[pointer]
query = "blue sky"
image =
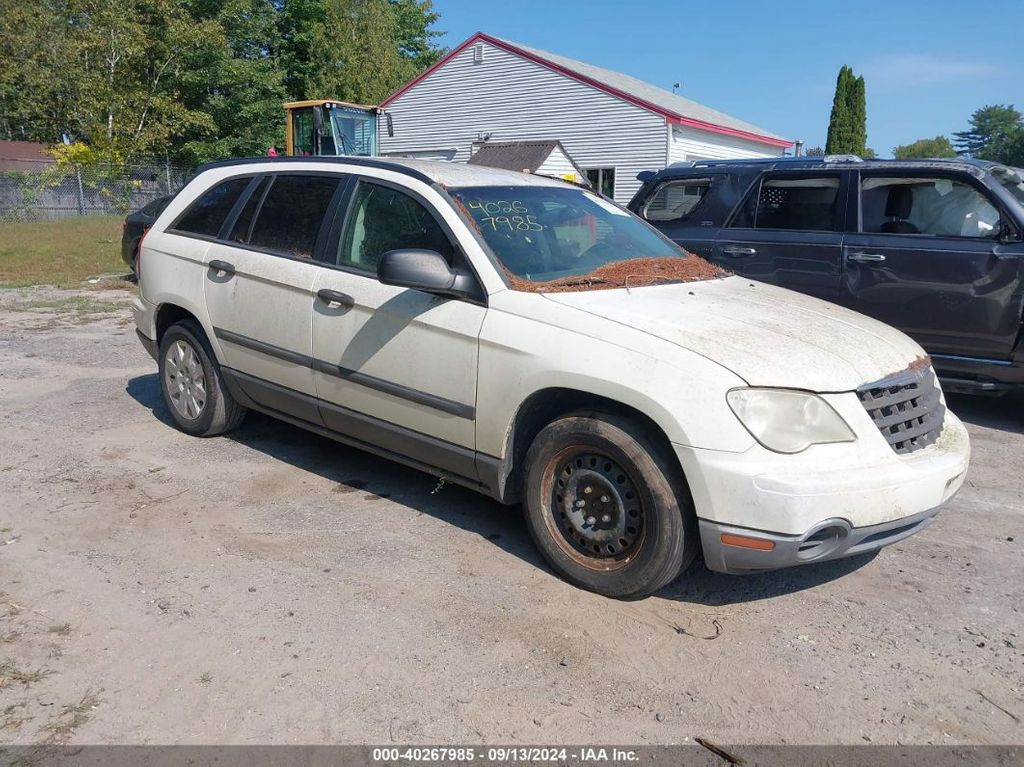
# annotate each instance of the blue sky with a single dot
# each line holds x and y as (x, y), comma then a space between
(927, 63)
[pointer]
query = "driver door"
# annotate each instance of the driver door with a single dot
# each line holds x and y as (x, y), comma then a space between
(395, 367)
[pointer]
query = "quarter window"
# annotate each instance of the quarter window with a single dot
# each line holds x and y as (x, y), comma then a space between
(806, 204)
(939, 207)
(383, 219)
(675, 200)
(292, 212)
(206, 215)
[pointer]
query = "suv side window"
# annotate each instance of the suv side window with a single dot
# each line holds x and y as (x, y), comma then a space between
(206, 215)
(381, 219)
(675, 200)
(935, 206)
(291, 214)
(809, 203)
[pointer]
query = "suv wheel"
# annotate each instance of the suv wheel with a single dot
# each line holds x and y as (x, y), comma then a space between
(192, 385)
(605, 506)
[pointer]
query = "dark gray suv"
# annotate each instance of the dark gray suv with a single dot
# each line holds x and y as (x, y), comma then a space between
(932, 247)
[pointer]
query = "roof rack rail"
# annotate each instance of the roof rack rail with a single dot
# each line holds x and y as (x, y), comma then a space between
(843, 158)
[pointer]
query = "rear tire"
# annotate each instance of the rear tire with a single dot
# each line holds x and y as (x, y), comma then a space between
(192, 384)
(606, 507)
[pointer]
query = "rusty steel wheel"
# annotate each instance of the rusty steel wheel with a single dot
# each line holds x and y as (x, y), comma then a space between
(607, 504)
(598, 511)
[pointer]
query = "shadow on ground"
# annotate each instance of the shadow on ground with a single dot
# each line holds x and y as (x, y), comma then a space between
(503, 526)
(1004, 413)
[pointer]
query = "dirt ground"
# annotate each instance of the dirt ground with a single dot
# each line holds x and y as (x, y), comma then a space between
(275, 587)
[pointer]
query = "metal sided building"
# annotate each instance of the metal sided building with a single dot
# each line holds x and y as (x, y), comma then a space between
(612, 125)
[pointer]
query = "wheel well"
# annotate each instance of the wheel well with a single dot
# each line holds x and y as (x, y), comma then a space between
(547, 405)
(167, 315)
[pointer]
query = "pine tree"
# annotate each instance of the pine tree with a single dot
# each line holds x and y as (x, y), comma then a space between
(847, 128)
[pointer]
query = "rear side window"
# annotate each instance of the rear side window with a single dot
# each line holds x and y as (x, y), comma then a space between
(675, 200)
(293, 210)
(206, 215)
(243, 224)
(806, 204)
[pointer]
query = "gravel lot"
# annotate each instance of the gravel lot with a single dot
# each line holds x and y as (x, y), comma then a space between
(274, 586)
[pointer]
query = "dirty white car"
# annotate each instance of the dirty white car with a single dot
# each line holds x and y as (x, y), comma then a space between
(536, 342)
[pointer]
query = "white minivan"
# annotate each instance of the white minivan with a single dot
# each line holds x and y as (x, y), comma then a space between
(538, 343)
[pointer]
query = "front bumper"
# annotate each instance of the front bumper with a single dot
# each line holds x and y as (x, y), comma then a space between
(830, 539)
(863, 494)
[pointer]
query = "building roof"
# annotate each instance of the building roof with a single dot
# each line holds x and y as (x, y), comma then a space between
(23, 155)
(525, 156)
(676, 109)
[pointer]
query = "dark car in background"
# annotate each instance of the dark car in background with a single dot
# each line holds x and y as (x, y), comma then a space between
(933, 247)
(135, 226)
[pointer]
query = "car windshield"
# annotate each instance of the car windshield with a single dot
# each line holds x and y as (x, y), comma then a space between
(552, 238)
(1012, 179)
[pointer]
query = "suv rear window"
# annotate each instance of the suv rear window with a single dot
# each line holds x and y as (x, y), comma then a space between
(675, 200)
(805, 204)
(206, 215)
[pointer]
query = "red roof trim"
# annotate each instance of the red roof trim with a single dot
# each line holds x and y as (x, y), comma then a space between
(672, 117)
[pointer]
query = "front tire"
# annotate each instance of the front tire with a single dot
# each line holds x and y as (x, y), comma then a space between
(607, 507)
(192, 384)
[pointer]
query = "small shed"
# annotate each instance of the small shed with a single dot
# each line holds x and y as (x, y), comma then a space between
(24, 156)
(543, 158)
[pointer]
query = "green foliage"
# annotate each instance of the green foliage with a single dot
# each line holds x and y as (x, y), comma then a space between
(940, 146)
(1007, 147)
(196, 80)
(815, 151)
(993, 123)
(847, 128)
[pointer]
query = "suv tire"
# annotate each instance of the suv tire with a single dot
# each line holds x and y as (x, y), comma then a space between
(192, 384)
(608, 510)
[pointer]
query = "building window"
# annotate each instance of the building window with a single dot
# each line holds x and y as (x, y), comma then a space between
(478, 53)
(602, 180)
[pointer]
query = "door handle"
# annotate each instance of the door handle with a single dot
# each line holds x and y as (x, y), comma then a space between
(222, 266)
(866, 258)
(335, 297)
(734, 250)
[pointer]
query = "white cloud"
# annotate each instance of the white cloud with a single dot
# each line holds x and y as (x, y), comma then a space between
(907, 70)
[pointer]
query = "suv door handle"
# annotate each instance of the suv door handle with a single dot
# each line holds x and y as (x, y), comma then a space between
(866, 258)
(335, 297)
(222, 266)
(734, 250)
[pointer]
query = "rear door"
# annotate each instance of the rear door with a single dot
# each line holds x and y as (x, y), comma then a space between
(928, 259)
(789, 231)
(259, 287)
(395, 367)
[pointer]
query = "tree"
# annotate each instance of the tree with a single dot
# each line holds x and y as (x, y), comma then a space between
(940, 146)
(355, 50)
(988, 124)
(1006, 148)
(815, 151)
(847, 128)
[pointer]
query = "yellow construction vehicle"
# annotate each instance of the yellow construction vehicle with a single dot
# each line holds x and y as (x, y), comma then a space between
(326, 127)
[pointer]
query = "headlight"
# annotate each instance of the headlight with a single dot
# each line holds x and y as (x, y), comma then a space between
(788, 421)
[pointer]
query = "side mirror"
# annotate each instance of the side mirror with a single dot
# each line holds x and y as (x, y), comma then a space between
(424, 270)
(1007, 233)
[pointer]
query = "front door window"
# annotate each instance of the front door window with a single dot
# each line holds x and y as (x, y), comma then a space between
(937, 207)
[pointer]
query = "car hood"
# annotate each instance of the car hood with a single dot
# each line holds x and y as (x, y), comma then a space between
(766, 335)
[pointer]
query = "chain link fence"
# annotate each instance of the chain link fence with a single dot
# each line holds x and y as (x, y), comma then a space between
(52, 192)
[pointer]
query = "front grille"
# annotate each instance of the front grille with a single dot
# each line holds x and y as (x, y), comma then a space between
(907, 408)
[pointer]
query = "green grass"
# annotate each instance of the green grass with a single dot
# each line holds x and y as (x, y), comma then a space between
(63, 253)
